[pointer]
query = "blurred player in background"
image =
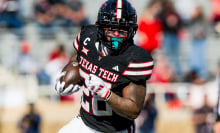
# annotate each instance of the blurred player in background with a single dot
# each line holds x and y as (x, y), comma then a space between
(149, 27)
(113, 70)
(31, 121)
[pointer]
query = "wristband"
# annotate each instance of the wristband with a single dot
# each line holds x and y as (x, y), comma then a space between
(107, 96)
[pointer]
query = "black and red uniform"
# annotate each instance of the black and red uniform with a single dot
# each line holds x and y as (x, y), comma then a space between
(133, 64)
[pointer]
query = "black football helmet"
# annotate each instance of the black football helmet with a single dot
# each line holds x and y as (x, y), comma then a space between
(117, 14)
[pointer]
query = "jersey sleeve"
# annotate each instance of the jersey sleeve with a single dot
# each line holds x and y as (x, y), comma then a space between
(76, 45)
(139, 68)
(78, 41)
(87, 36)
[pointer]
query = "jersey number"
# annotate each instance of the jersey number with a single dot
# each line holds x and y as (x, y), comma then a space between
(92, 106)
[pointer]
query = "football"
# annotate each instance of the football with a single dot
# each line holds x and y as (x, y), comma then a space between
(71, 75)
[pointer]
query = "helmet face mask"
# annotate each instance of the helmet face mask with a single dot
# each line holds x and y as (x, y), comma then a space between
(115, 36)
(116, 14)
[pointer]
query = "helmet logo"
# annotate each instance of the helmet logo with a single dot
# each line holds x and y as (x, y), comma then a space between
(119, 9)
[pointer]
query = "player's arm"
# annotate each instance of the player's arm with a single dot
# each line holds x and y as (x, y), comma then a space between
(133, 95)
(128, 105)
(131, 103)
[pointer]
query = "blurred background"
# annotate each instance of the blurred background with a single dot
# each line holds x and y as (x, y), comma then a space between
(36, 38)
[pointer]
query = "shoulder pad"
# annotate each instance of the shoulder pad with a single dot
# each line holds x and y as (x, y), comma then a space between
(140, 65)
(89, 31)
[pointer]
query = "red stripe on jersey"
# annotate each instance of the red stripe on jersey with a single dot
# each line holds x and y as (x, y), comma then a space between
(78, 37)
(76, 45)
(103, 54)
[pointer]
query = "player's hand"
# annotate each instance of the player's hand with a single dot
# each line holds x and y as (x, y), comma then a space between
(62, 90)
(98, 87)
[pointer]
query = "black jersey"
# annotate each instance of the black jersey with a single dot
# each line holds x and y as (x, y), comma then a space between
(133, 65)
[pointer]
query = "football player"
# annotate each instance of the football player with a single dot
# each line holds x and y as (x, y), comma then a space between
(114, 72)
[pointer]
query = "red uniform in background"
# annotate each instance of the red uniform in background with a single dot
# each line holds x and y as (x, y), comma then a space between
(149, 32)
